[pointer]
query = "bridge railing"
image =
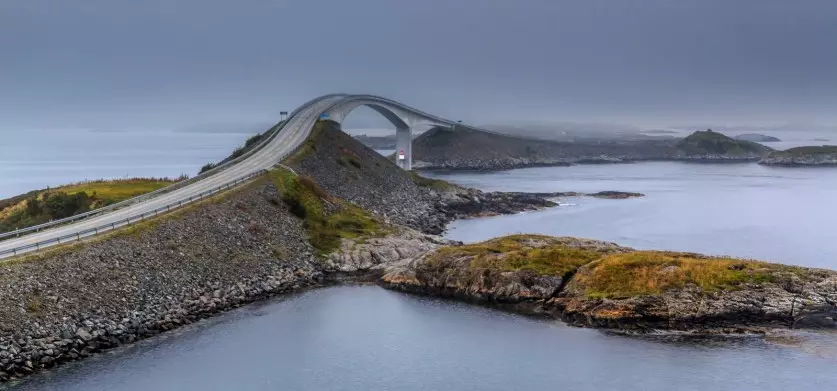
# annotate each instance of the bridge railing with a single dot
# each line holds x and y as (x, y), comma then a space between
(415, 111)
(273, 131)
(133, 219)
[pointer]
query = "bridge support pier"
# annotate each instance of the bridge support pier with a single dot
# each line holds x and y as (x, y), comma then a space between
(404, 143)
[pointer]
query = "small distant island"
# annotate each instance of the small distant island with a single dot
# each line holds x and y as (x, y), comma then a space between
(825, 155)
(757, 137)
(472, 150)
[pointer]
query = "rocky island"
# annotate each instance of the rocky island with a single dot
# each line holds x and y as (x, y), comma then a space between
(825, 155)
(471, 150)
(598, 284)
(344, 213)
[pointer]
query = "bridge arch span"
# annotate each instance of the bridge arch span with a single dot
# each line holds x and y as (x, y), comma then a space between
(404, 119)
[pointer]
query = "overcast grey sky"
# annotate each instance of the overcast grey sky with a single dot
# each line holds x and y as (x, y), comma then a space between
(178, 63)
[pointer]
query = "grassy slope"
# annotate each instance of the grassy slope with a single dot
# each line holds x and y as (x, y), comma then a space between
(327, 220)
(653, 272)
(437, 184)
(15, 212)
(609, 273)
(117, 190)
(511, 253)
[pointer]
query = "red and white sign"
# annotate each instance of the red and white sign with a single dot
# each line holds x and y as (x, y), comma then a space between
(401, 155)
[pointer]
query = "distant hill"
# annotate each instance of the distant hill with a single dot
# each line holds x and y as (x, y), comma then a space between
(713, 144)
(377, 142)
(467, 149)
(567, 131)
(757, 137)
(825, 155)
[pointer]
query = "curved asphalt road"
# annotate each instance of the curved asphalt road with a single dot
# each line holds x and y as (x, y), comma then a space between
(292, 134)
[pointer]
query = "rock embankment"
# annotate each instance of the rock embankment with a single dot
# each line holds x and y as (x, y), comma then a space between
(351, 171)
(803, 156)
(376, 253)
(74, 301)
(599, 284)
(472, 150)
(244, 245)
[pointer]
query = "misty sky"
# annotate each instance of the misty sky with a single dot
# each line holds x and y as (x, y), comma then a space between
(168, 64)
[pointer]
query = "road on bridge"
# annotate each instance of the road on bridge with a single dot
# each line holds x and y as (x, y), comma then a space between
(294, 132)
(291, 135)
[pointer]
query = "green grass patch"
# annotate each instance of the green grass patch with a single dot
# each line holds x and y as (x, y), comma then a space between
(437, 184)
(41, 206)
(118, 190)
(654, 272)
(542, 255)
(325, 229)
(134, 229)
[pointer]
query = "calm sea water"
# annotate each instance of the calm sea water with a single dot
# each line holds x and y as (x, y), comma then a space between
(367, 338)
(37, 159)
(746, 210)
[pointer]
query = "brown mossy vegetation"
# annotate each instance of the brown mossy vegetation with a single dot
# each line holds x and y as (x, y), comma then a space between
(542, 255)
(605, 271)
(654, 272)
(437, 184)
(41, 206)
(326, 220)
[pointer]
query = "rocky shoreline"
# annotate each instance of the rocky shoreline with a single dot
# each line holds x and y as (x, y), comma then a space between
(129, 287)
(823, 156)
(566, 279)
(71, 302)
(254, 242)
(87, 335)
(236, 248)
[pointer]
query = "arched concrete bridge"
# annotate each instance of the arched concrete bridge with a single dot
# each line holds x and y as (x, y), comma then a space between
(284, 139)
(405, 119)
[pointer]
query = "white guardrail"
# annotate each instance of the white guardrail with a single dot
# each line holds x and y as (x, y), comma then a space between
(272, 134)
(77, 236)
